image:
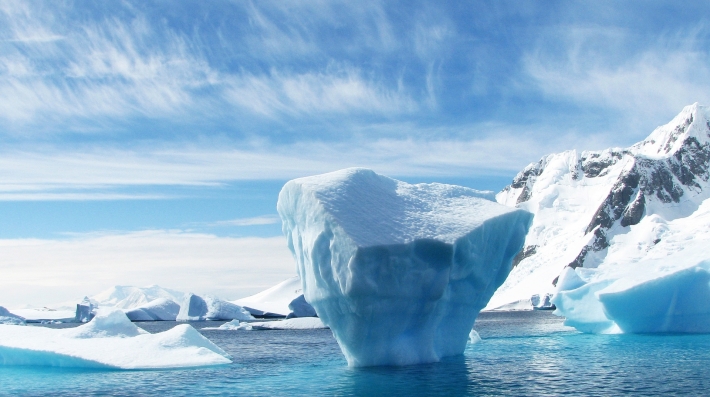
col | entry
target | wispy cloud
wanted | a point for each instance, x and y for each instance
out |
(253, 221)
(604, 68)
(39, 272)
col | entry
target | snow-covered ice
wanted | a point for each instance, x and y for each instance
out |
(197, 308)
(44, 314)
(160, 309)
(399, 272)
(301, 323)
(10, 319)
(274, 301)
(110, 340)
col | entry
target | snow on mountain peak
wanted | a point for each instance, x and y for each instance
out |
(611, 206)
(691, 122)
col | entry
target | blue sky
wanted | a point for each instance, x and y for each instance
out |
(185, 118)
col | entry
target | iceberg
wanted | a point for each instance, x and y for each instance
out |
(129, 297)
(160, 309)
(197, 308)
(110, 340)
(398, 271)
(300, 308)
(274, 301)
(85, 311)
(662, 299)
(10, 319)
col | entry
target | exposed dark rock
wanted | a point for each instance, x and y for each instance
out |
(526, 252)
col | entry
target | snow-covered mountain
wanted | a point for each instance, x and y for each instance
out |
(129, 297)
(614, 208)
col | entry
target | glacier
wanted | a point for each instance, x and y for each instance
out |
(110, 340)
(610, 215)
(398, 271)
(197, 308)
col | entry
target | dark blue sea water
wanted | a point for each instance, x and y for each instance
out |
(521, 354)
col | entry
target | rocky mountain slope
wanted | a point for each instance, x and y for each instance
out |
(612, 208)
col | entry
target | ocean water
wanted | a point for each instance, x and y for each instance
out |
(521, 354)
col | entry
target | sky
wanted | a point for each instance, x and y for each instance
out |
(145, 142)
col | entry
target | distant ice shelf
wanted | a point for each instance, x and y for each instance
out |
(399, 272)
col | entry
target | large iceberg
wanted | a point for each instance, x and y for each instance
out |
(160, 309)
(197, 308)
(110, 340)
(399, 272)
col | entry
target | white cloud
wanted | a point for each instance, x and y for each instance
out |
(55, 174)
(605, 68)
(39, 272)
(253, 221)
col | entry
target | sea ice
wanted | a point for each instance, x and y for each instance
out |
(10, 319)
(399, 272)
(300, 323)
(160, 309)
(197, 308)
(110, 340)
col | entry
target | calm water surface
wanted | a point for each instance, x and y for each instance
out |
(521, 354)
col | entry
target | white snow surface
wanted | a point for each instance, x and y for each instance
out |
(197, 308)
(301, 323)
(275, 299)
(110, 340)
(399, 272)
(45, 314)
(565, 193)
(160, 309)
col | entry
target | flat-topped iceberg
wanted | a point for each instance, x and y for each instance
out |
(399, 272)
(110, 340)
(197, 308)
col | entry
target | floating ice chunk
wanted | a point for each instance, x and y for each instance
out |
(10, 319)
(160, 309)
(196, 308)
(85, 311)
(473, 337)
(658, 300)
(300, 308)
(676, 302)
(274, 301)
(399, 272)
(110, 340)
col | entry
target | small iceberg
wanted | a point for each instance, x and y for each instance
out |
(110, 340)
(160, 309)
(197, 308)
(10, 319)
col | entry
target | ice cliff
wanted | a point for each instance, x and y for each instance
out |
(399, 272)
